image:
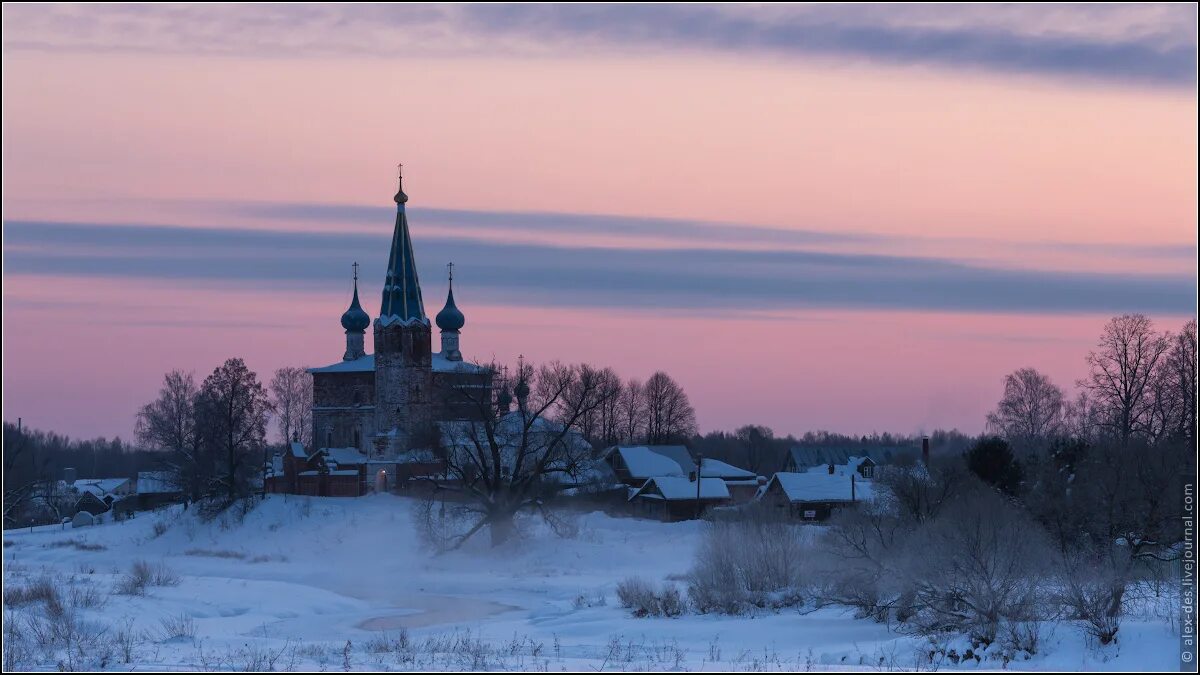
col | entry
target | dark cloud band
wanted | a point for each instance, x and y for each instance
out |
(712, 281)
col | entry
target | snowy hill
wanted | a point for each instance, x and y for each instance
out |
(311, 583)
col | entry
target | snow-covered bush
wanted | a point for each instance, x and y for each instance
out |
(854, 561)
(178, 627)
(1092, 593)
(975, 566)
(750, 558)
(670, 601)
(42, 589)
(638, 595)
(143, 574)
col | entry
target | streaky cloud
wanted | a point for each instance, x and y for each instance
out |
(711, 281)
(683, 230)
(1153, 45)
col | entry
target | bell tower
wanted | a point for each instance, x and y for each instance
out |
(403, 354)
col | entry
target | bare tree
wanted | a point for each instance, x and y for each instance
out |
(757, 443)
(1178, 388)
(669, 414)
(503, 462)
(1080, 417)
(291, 401)
(1122, 371)
(631, 411)
(231, 419)
(1031, 410)
(168, 423)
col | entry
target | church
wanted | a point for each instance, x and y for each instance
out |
(375, 416)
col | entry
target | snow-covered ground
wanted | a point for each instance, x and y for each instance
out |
(333, 584)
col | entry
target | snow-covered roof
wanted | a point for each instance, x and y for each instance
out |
(676, 488)
(155, 482)
(715, 468)
(441, 364)
(643, 462)
(817, 486)
(345, 455)
(803, 457)
(648, 461)
(298, 450)
(100, 486)
(344, 472)
(365, 364)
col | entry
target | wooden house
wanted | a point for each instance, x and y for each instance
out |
(815, 495)
(674, 498)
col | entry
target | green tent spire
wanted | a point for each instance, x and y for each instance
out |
(401, 289)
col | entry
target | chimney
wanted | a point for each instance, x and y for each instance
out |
(69, 476)
(831, 468)
(852, 495)
(925, 450)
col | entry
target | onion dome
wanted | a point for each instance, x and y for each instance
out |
(355, 319)
(450, 318)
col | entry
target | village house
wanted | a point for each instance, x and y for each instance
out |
(634, 465)
(675, 498)
(117, 488)
(155, 489)
(815, 495)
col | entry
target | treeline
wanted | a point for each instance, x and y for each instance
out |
(34, 459)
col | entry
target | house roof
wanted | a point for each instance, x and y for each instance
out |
(678, 488)
(645, 462)
(155, 482)
(713, 468)
(806, 456)
(297, 449)
(649, 461)
(816, 486)
(345, 455)
(100, 486)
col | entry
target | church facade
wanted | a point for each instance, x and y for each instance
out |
(375, 416)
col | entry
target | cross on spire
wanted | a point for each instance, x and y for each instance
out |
(450, 266)
(400, 196)
(355, 266)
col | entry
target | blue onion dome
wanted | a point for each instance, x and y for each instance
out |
(355, 319)
(450, 318)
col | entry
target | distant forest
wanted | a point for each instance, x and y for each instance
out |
(32, 453)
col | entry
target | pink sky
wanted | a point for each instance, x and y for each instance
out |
(1019, 171)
